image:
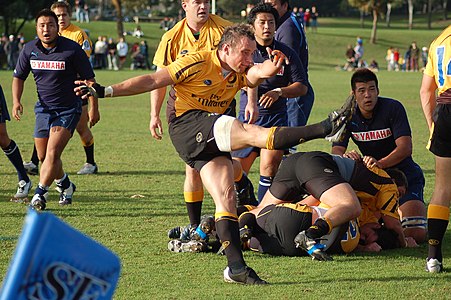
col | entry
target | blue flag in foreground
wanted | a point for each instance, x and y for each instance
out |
(55, 261)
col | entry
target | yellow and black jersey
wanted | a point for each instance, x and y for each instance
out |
(439, 61)
(78, 35)
(378, 193)
(199, 85)
(180, 41)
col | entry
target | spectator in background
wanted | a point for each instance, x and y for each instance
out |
(12, 51)
(144, 51)
(112, 57)
(424, 56)
(396, 59)
(314, 19)
(79, 5)
(122, 51)
(359, 52)
(373, 66)
(138, 32)
(3, 59)
(100, 50)
(407, 59)
(389, 59)
(85, 13)
(350, 64)
(300, 15)
(164, 24)
(307, 17)
(414, 57)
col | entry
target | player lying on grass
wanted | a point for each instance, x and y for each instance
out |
(342, 185)
(275, 228)
(205, 84)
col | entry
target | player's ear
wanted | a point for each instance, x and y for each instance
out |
(226, 49)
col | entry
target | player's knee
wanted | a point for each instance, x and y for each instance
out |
(418, 234)
(355, 211)
(222, 131)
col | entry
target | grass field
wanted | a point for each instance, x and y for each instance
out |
(132, 163)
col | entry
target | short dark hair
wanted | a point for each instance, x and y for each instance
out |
(282, 2)
(233, 34)
(387, 238)
(398, 176)
(363, 75)
(262, 8)
(46, 13)
(62, 4)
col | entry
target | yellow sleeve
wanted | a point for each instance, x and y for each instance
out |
(85, 43)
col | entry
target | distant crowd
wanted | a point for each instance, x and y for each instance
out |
(413, 60)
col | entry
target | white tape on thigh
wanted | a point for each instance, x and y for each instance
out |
(221, 131)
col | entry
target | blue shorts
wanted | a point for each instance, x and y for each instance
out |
(46, 119)
(4, 115)
(266, 120)
(416, 182)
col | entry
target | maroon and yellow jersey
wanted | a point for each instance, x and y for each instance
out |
(78, 35)
(200, 85)
(180, 41)
(439, 61)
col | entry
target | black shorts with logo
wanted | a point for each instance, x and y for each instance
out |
(281, 224)
(192, 136)
(305, 173)
(440, 140)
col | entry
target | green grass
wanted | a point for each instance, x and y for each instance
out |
(132, 163)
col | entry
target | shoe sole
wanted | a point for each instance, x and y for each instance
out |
(32, 172)
(88, 173)
(179, 247)
(38, 205)
(20, 199)
(68, 201)
(337, 136)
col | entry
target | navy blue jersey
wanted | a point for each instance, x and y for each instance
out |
(291, 33)
(293, 72)
(54, 71)
(376, 137)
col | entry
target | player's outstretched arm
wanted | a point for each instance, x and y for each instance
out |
(133, 86)
(257, 73)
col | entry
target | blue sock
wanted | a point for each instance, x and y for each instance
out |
(13, 154)
(64, 182)
(41, 189)
(263, 185)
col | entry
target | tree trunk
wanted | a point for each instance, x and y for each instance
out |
(445, 7)
(100, 9)
(362, 18)
(388, 14)
(374, 29)
(410, 3)
(119, 25)
(429, 14)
